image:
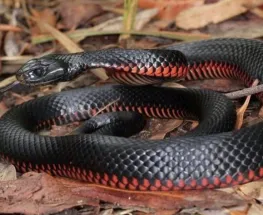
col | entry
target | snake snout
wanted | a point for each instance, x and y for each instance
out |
(24, 74)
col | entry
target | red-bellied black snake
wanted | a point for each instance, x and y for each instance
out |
(210, 156)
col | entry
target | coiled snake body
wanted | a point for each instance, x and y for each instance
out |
(210, 156)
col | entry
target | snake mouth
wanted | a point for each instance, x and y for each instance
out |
(22, 80)
(42, 83)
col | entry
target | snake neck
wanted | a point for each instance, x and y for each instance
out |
(207, 59)
(151, 64)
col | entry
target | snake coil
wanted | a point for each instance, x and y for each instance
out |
(210, 156)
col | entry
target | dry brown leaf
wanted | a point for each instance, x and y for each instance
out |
(144, 42)
(62, 130)
(173, 85)
(200, 16)
(165, 128)
(260, 113)
(169, 9)
(242, 109)
(3, 108)
(7, 172)
(11, 45)
(115, 24)
(46, 16)
(255, 209)
(83, 80)
(21, 99)
(238, 212)
(249, 191)
(194, 125)
(12, 41)
(62, 38)
(40, 193)
(258, 12)
(155, 200)
(75, 13)
(244, 29)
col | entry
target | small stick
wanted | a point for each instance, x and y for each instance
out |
(245, 92)
(97, 113)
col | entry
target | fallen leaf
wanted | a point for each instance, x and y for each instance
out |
(244, 29)
(40, 193)
(238, 212)
(173, 85)
(47, 16)
(7, 172)
(250, 191)
(3, 108)
(249, 121)
(165, 128)
(260, 113)
(194, 125)
(169, 9)
(200, 16)
(258, 12)
(255, 209)
(74, 14)
(62, 130)
(242, 109)
(12, 42)
(86, 79)
(219, 211)
(11, 45)
(141, 19)
(144, 42)
(114, 24)
(21, 99)
(61, 37)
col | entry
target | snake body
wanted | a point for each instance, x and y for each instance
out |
(210, 156)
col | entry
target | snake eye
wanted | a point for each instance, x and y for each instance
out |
(38, 72)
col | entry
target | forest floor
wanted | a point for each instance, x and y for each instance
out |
(34, 28)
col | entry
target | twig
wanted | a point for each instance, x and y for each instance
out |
(97, 113)
(5, 27)
(241, 111)
(130, 8)
(245, 92)
(83, 33)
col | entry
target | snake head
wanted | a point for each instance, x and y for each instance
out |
(43, 70)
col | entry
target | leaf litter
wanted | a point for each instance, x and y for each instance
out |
(42, 27)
